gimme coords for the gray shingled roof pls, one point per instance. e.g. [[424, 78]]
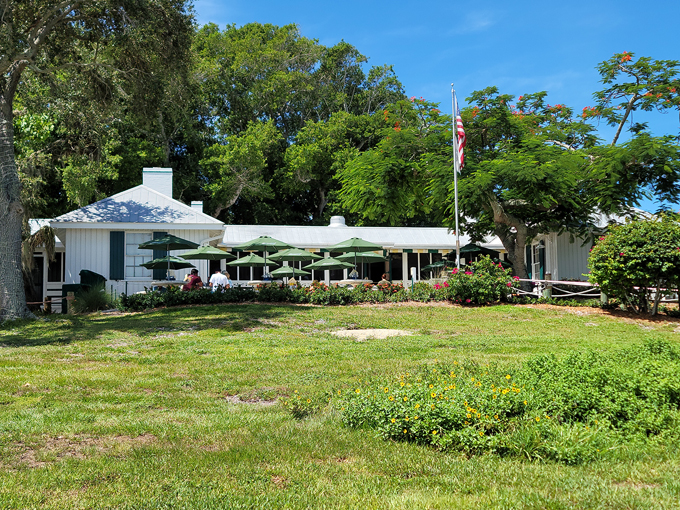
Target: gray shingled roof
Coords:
[[140, 204]]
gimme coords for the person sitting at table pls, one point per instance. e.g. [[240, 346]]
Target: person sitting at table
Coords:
[[230, 284], [384, 280], [218, 281], [193, 281]]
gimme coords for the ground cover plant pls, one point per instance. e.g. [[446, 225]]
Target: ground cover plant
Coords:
[[570, 410], [182, 408]]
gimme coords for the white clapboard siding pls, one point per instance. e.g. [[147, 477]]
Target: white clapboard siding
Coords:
[[572, 257], [89, 249]]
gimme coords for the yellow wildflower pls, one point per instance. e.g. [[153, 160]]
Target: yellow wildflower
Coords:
[[357, 391]]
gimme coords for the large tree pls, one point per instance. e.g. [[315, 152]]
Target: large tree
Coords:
[[531, 167], [87, 53], [269, 74]]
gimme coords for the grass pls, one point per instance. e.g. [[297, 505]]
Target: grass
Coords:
[[177, 409]]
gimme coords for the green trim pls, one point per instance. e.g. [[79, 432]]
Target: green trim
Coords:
[[407, 250], [116, 255], [432, 251]]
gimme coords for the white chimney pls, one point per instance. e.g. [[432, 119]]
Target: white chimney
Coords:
[[197, 204], [158, 179], [337, 221]]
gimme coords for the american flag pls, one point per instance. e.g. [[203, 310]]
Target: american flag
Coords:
[[461, 137]]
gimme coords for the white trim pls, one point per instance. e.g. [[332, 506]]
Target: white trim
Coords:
[[137, 226]]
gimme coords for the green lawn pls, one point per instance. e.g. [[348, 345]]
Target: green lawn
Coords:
[[177, 409]]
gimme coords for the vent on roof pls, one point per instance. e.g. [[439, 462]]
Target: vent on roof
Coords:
[[337, 221], [158, 179], [197, 204]]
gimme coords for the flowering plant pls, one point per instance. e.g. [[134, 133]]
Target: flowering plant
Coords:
[[482, 283]]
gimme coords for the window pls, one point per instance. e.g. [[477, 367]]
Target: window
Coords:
[[134, 256], [55, 270]]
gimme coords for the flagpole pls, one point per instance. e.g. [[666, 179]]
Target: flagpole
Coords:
[[456, 169]]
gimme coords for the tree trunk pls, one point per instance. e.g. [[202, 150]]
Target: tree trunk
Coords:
[[12, 294]]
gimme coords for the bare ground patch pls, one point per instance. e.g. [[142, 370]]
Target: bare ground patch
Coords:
[[363, 334], [241, 399], [60, 448]]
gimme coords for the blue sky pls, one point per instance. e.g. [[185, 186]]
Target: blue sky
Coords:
[[519, 47]]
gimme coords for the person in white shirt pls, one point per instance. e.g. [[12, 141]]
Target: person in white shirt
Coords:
[[218, 280]]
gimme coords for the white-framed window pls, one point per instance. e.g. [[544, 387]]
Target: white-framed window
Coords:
[[134, 256]]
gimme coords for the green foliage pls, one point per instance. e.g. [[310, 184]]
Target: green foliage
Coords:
[[642, 84], [235, 168], [482, 283], [303, 406], [92, 299], [570, 410], [633, 263], [390, 183], [176, 297]]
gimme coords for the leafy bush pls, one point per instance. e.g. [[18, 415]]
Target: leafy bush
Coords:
[[176, 297], [570, 410], [634, 262], [482, 283], [92, 299]]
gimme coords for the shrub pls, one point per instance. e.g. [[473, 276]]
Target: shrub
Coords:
[[634, 262], [482, 283], [92, 299], [176, 297], [571, 410]]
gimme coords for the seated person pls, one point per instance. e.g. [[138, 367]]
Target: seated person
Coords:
[[218, 281], [384, 280], [193, 281], [230, 284]]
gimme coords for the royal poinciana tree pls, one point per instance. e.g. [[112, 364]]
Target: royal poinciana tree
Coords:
[[106, 51], [536, 168], [531, 167]]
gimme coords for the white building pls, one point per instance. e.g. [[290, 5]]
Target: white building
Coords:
[[103, 237]]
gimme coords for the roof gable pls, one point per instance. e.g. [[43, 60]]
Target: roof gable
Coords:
[[140, 204]]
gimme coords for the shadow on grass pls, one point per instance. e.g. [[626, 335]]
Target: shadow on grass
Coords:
[[64, 329]]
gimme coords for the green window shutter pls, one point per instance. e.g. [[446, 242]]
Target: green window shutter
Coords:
[[159, 274], [117, 255], [528, 259], [541, 259]]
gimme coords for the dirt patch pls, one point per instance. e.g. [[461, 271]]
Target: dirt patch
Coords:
[[280, 482], [79, 447], [636, 485], [236, 399], [363, 334]]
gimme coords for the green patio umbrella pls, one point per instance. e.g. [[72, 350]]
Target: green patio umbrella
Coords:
[[439, 265], [294, 255], [329, 264], [251, 260], [289, 271], [167, 261], [355, 244], [361, 256], [475, 249], [207, 253], [169, 242], [264, 244]]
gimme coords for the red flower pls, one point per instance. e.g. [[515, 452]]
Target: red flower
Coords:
[[621, 254], [626, 57]]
